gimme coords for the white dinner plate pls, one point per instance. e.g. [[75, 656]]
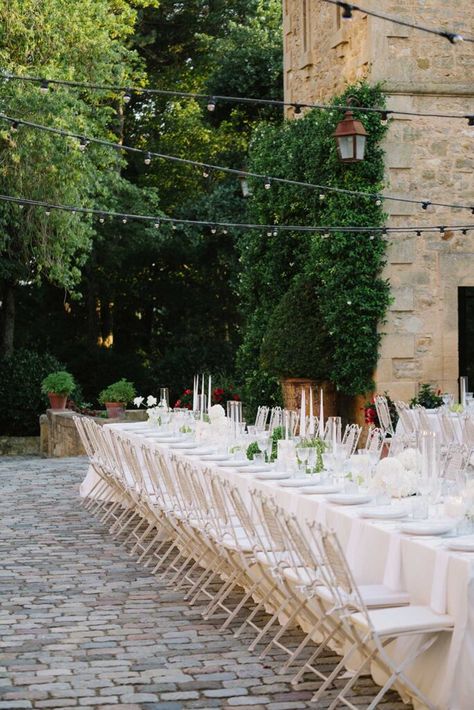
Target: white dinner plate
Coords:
[[256, 468], [428, 527], [462, 545], [200, 452], [271, 476], [297, 483], [320, 490], [349, 498], [383, 512], [215, 457], [230, 464], [184, 445], [159, 440]]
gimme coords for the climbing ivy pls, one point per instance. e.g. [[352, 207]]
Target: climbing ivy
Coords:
[[344, 268]]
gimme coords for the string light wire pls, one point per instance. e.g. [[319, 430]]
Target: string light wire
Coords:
[[208, 168], [349, 8], [212, 101], [274, 229]]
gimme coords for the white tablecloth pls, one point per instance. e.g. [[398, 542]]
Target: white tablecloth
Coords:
[[378, 554]]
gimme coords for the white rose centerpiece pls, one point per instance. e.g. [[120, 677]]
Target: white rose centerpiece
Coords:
[[396, 475]]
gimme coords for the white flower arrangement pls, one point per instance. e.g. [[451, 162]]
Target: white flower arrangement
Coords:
[[397, 477], [216, 413]]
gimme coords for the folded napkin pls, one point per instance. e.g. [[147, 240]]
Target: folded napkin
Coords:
[[439, 601]]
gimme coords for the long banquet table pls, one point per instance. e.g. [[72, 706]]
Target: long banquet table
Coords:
[[379, 554]]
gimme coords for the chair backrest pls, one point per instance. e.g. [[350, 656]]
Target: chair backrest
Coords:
[[351, 438], [455, 461], [468, 431], [405, 417], [375, 441], [262, 416], [383, 413], [424, 423], [276, 415]]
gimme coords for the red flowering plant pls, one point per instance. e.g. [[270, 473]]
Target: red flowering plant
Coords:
[[221, 395], [370, 412], [185, 401]]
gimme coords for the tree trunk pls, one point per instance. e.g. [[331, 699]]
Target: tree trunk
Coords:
[[7, 329]]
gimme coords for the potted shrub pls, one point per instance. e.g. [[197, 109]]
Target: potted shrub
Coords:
[[296, 347], [116, 397], [58, 385]]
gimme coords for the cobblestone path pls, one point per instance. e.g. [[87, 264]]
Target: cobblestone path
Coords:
[[83, 626]]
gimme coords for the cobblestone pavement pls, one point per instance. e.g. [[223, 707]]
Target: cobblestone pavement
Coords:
[[83, 626]]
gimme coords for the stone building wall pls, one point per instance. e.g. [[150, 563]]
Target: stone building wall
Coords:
[[425, 158]]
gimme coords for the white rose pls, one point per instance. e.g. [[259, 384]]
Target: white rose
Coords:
[[151, 401], [216, 412], [409, 458], [138, 401]]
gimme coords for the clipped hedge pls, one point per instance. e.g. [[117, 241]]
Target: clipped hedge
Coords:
[[22, 401]]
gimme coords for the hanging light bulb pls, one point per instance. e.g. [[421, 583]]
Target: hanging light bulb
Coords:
[[470, 120], [206, 172], [174, 226], [297, 110], [124, 220], [322, 196], [213, 229], [378, 202], [102, 219], [454, 38], [267, 184], [44, 86], [384, 118], [127, 97], [464, 232], [147, 159], [425, 204], [269, 233], [157, 225], [224, 231], [326, 235], [275, 232], [211, 104], [83, 144], [47, 213], [14, 126], [418, 233]]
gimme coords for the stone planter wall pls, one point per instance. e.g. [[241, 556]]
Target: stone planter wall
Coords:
[[19, 445], [59, 436], [291, 388]]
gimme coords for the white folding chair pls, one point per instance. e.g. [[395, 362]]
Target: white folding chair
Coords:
[[371, 631], [351, 438]]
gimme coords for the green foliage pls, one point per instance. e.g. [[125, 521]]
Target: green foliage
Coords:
[[344, 269], [277, 434], [427, 397], [60, 382], [289, 348], [253, 449], [122, 391], [21, 376]]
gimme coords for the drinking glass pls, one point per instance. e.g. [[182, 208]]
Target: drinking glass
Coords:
[[164, 397]]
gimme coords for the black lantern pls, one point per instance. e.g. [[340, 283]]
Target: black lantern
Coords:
[[350, 137]]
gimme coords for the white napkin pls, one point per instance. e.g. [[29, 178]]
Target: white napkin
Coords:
[[439, 601], [392, 577]]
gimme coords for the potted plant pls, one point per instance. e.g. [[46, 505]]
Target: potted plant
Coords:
[[427, 397], [296, 347], [58, 385], [116, 397]]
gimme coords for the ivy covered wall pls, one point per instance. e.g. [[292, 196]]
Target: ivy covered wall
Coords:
[[340, 275]]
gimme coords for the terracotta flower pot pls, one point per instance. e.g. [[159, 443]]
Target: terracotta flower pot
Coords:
[[57, 401], [115, 410]]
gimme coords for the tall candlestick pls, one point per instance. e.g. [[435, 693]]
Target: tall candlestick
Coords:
[[195, 394], [321, 414], [202, 398], [209, 398], [311, 415], [303, 413]]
